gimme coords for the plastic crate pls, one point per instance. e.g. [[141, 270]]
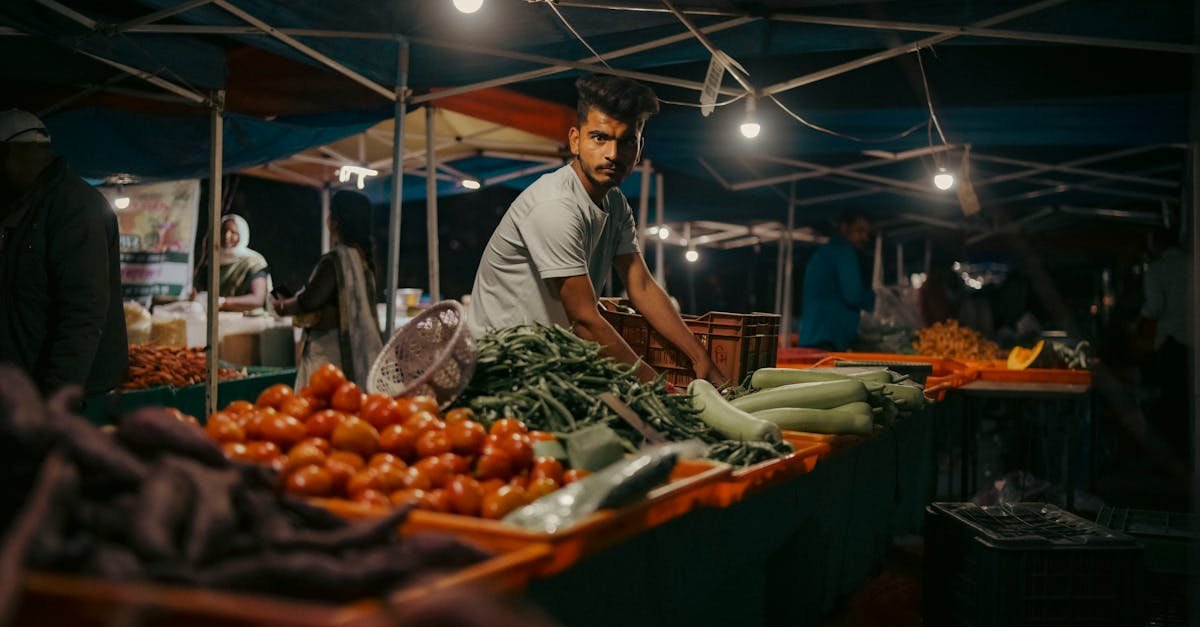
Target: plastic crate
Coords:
[[1027, 564], [743, 482], [1166, 536], [738, 343]]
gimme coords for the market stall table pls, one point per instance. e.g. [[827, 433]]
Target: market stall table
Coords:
[[1044, 396]]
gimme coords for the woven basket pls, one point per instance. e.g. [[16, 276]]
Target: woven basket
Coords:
[[432, 355]]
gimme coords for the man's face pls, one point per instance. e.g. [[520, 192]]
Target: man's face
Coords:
[[857, 232], [606, 149]]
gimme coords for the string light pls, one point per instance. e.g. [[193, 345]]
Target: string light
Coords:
[[750, 127], [692, 255], [943, 180], [468, 6], [471, 184], [347, 171], [121, 201], [663, 232]]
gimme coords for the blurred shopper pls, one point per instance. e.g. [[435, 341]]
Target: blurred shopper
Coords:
[[337, 305], [245, 279], [557, 245], [61, 317], [834, 290], [1166, 315]]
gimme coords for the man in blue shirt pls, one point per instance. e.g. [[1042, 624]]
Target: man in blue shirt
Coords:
[[833, 288]]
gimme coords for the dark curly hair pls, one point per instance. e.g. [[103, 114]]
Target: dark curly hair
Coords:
[[621, 98]]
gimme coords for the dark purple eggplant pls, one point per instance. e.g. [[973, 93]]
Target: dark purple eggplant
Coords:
[[98, 453], [56, 474], [155, 430], [357, 534], [164, 505], [438, 551], [113, 561], [313, 574], [214, 520], [22, 413]]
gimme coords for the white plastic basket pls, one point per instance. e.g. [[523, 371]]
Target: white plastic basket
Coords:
[[433, 355]]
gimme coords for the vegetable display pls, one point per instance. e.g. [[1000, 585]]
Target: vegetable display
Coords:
[[950, 340], [155, 503], [330, 440], [153, 366], [551, 379]]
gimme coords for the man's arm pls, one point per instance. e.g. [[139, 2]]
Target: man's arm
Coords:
[[579, 301], [850, 282], [653, 303], [78, 258]]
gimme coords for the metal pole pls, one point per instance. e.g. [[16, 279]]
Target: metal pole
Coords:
[[325, 245], [785, 330], [877, 269], [400, 108], [928, 256], [431, 217], [779, 277], [900, 280], [216, 148], [660, 273], [643, 206]]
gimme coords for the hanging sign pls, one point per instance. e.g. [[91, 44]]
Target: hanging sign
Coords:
[[158, 236]]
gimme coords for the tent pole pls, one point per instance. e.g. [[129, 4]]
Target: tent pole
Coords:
[[431, 216], [644, 206], [325, 246], [877, 267], [928, 267], [400, 108], [785, 330], [660, 274], [779, 277], [900, 280], [216, 148]]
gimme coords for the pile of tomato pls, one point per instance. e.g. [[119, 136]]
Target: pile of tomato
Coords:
[[332, 440]]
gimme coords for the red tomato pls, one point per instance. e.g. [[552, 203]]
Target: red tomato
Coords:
[[423, 421], [491, 485], [459, 414], [496, 505], [356, 436], [346, 457], [547, 467], [416, 479], [407, 496], [326, 380], [385, 458], [539, 487], [239, 407], [282, 429], [237, 451], [432, 443], [507, 425], [347, 398], [275, 395], [223, 427], [310, 481], [320, 443], [466, 495], [466, 436], [458, 463], [519, 449], [439, 472], [296, 406], [404, 408], [365, 479], [371, 410], [303, 455], [340, 472], [573, 475], [541, 436], [322, 423], [426, 403], [493, 465], [374, 498], [439, 501], [391, 477], [399, 441]]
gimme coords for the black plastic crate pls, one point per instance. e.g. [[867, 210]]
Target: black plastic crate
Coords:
[[1027, 564], [1166, 536]]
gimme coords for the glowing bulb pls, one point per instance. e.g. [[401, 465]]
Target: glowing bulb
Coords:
[[121, 202], [468, 6], [750, 130], [943, 180], [347, 171], [470, 184], [691, 256], [663, 232]]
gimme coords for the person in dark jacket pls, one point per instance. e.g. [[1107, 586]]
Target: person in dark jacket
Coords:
[[61, 314]]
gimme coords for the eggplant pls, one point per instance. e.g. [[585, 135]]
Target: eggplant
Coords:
[[154, 430], [99, 453], [165, 502], [214, 520]]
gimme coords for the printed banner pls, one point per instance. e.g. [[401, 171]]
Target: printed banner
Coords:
[[158, 235]]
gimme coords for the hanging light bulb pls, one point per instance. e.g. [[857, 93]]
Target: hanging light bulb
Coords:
[[691, 255], [664, 232], [471, 184], [121, 201], [943, 180], [750, 127], [468, 6]]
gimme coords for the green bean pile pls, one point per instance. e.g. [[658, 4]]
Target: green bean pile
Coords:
[[551, 379]]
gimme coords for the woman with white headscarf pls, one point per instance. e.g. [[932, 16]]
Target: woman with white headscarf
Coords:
[[244, 276]]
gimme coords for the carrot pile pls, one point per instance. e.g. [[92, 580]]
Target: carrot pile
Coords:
[[949, 340], [153, 366]]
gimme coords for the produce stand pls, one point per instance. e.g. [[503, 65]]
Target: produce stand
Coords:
[[101, 409]]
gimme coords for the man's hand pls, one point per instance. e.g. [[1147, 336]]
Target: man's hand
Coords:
[[706, 369]]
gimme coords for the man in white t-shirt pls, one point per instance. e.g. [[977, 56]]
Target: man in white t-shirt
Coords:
[[555, 248]]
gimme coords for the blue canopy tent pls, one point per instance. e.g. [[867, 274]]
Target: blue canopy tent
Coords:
[[1041, 92]]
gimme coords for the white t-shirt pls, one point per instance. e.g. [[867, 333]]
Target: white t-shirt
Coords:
[[552, 230], [1168, 288]]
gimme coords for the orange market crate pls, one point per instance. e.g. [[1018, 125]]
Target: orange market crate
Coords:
[[997, 370], [835, 442], [54, 599], [691, 484], [746, 481], [738, 343]]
